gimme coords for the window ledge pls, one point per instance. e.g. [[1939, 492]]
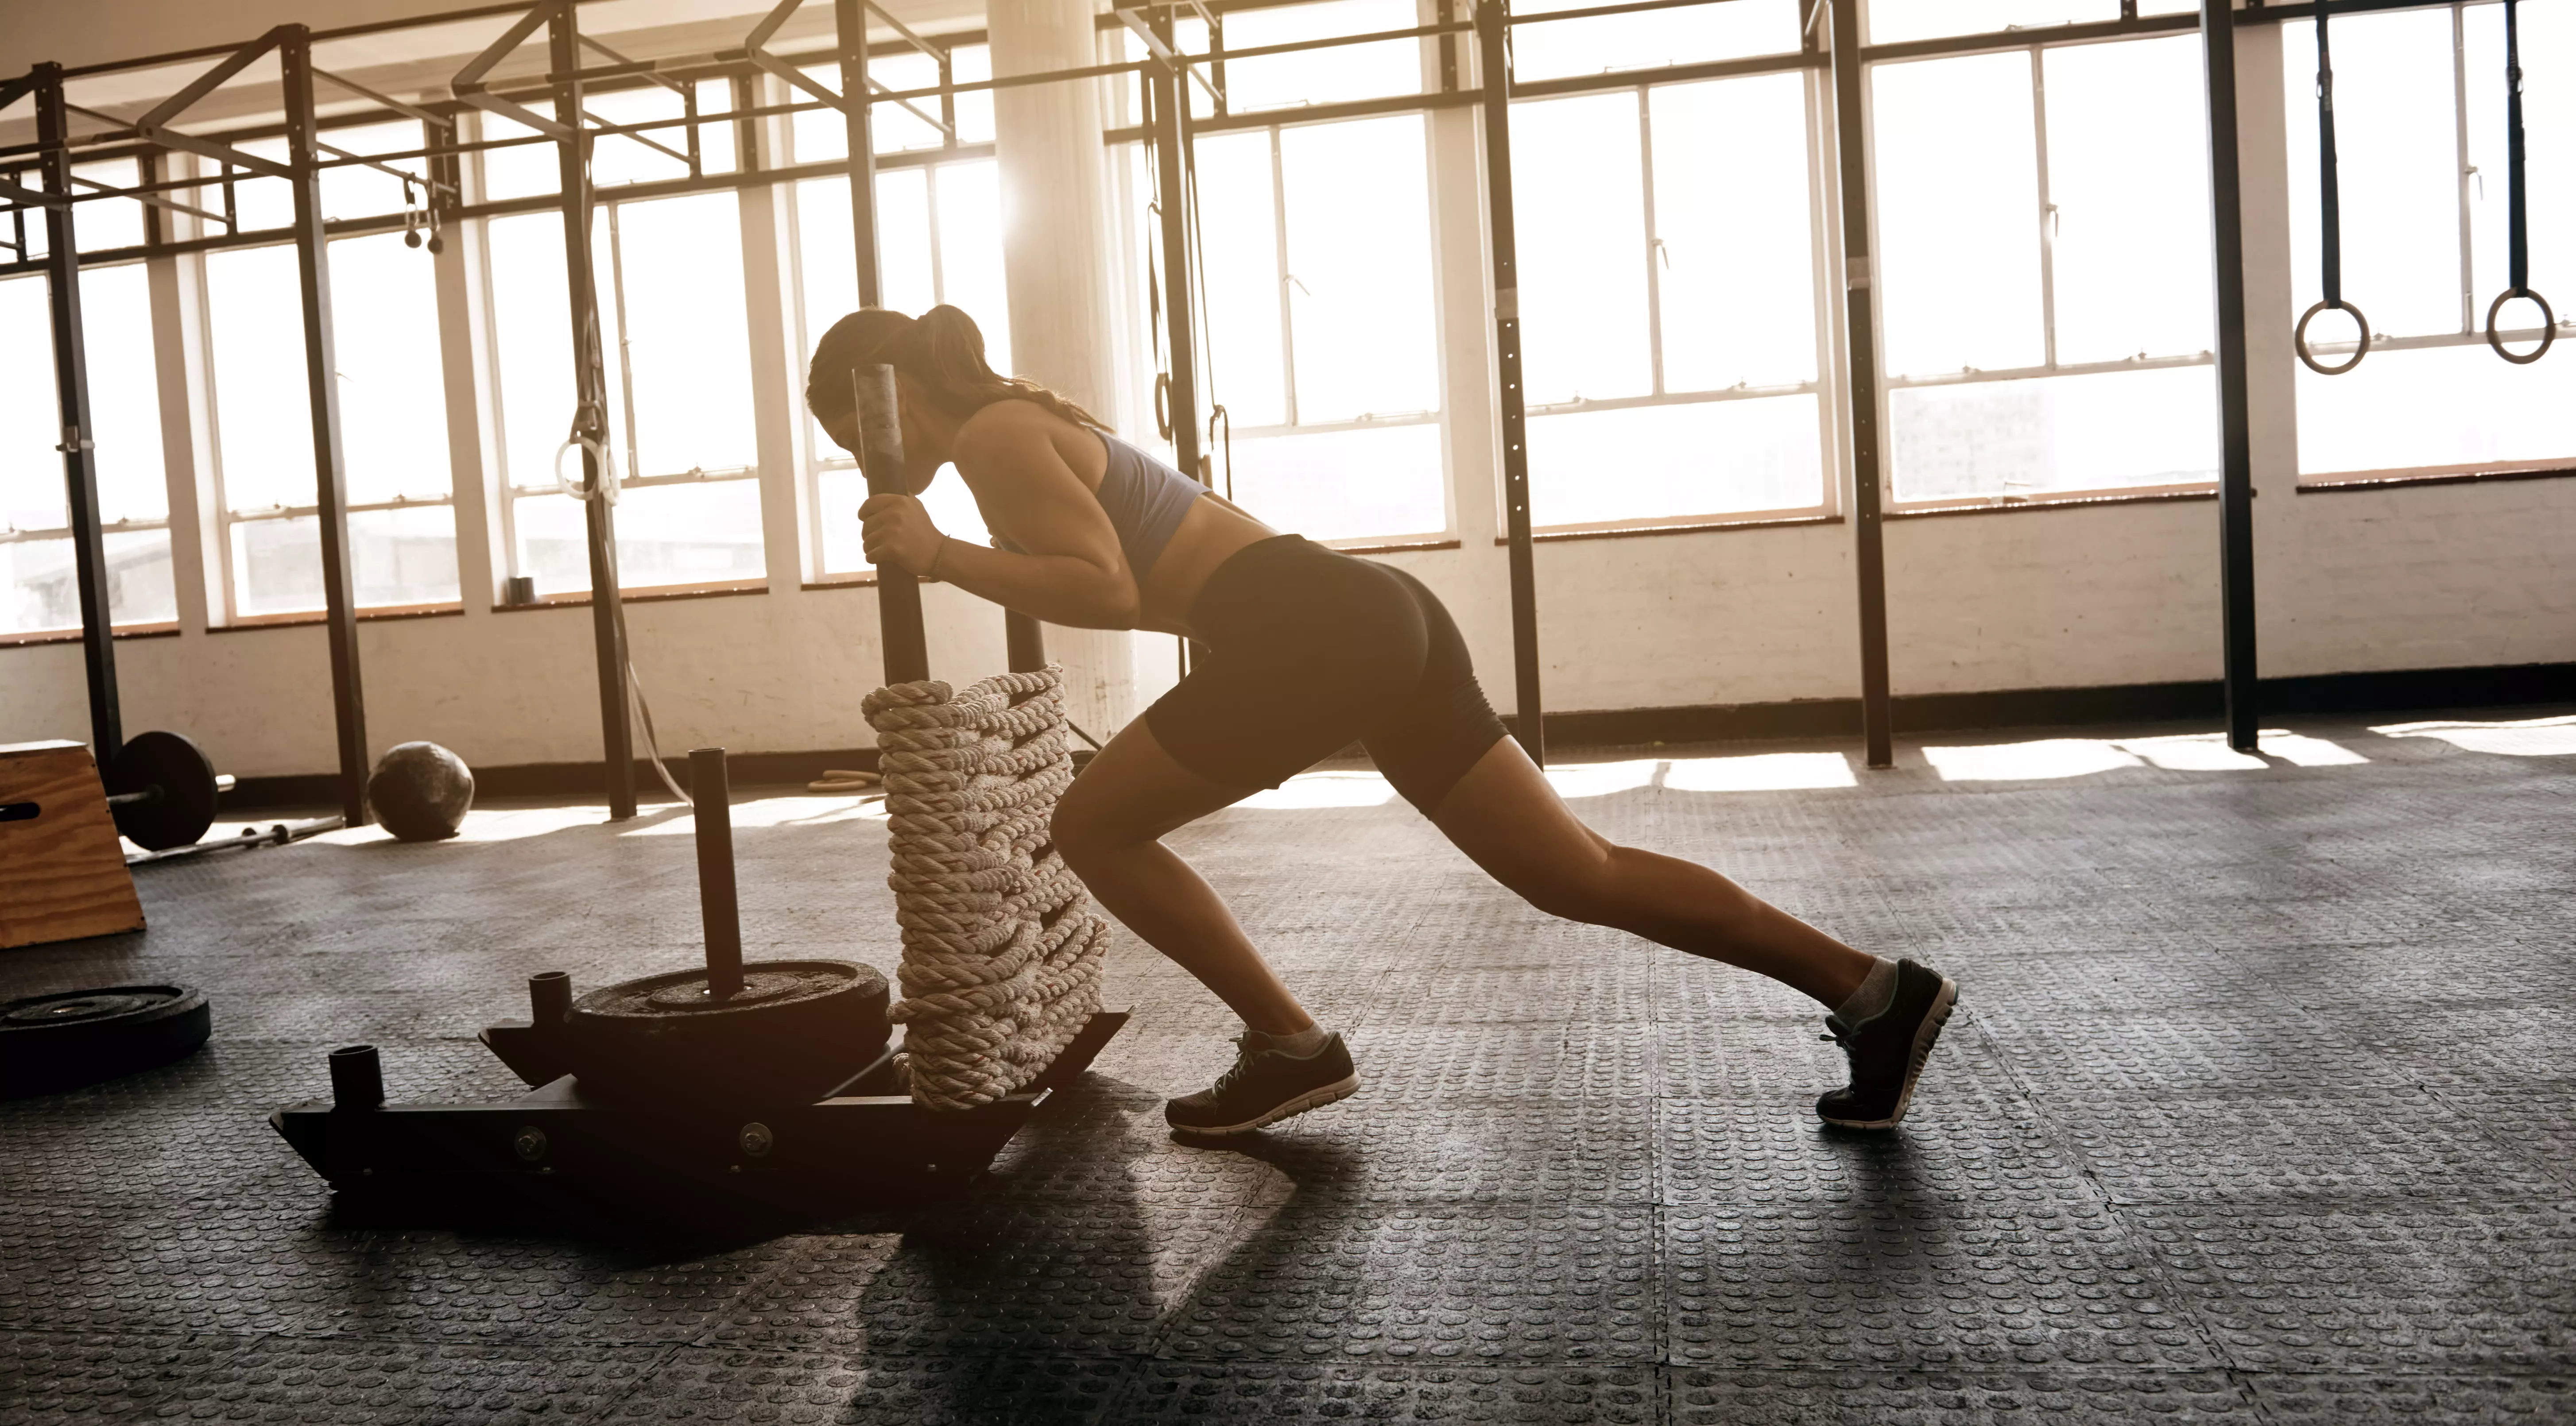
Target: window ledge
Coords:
[[864, 579], [641, 596], [2393, 480], [1686, 527], [1389, 547], [2055, 502], [313, 618], [74, 636]]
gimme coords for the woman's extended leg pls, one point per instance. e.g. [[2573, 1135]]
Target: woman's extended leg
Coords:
[[1109, 826], [1508, 820]]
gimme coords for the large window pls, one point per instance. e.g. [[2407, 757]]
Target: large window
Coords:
[[2421, 165], [392, 399], [38, 592], [675, 343], [2043, 260], [1669, 305]]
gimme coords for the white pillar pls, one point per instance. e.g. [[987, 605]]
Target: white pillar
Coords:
[[1056, 259]]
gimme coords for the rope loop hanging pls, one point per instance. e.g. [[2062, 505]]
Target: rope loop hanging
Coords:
[[2330, 222], [1001, 951], [2517, 219]]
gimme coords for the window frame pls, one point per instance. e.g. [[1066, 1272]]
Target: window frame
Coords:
[[1888, 383], [1816, 97], [2472, 328]]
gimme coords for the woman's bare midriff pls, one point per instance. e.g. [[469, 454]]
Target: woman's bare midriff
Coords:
[[1208, 535]]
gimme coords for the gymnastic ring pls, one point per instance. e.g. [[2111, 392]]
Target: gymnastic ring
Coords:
[[1163, 404], [607, 469], [2299, 338], [2548, 326]]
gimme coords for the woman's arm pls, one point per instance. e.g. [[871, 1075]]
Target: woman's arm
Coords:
[[1074, 573]]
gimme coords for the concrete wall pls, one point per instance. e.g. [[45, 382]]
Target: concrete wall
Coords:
[[2424, 576]]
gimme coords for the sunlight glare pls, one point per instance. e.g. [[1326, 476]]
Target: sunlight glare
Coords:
[[2027, 762], [1310, 790], [789, 811], [2191, 752], [1760, 772], [2524, 738], [1600, 779], [2303, 751]]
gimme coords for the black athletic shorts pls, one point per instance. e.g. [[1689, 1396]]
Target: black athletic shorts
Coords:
[[1309, 650]]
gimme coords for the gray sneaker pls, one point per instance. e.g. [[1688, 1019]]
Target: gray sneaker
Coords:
[[1265, 1086]]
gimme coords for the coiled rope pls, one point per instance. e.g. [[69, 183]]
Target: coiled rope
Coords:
[[1001, 951]]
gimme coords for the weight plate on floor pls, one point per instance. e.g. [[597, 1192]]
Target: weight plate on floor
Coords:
[[76, 1037], [179, 787], [795, 1031]]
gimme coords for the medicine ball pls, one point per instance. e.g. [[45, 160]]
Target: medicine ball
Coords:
[[420, 791]]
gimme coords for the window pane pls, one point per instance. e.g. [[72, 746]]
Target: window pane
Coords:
[[841, 492], [827, 264], [40, 593], [124, 392], [2128, 171], [396, 557], [1334, 485], [31, 470], [1695, 458], [257, 202], [715, 140], [2446, 406], [1738, 29], [1579, 209], [1738, 249], [100, 223], [277, 565], [523, 170], [2548, 35], [1239, 251], [531, 343], [687, 334], [255, 339], [2396, 142], [970, 252], [2056, 433], [358, 191], [1327, 76], [1894, 20], [627, 158], [698, 533], [393, 394], [822, 133], [1359, 245], [972, 64], [1957, 173]]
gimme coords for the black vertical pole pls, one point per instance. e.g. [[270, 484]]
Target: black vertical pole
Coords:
[[906, 643], [1869, 554], [1494, 66], [590, 390], [322, 394], [1171, 98], [711, 804], [2236, 458], [71, 386], [1025, 640]]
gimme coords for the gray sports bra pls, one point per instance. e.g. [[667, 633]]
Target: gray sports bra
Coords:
[[1145, 500]]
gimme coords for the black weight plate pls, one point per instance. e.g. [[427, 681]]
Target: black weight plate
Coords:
[[184, 805], [795, 1031], [76, 1037]]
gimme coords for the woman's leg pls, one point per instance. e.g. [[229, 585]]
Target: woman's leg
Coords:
[[1109, 826], [1508, 820]]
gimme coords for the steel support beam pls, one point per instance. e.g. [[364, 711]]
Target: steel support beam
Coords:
[[1171, 129], [322, 394], [2236, 455], [1869, 554], [1494, 63], [906, 642], [71, 387], [590, 390]]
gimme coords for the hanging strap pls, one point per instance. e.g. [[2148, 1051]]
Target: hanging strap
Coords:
[[2329, 220], [2517, 233]]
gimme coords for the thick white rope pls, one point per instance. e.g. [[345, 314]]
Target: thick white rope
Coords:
[[1001, 950]]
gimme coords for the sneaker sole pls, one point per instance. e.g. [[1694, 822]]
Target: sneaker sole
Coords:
[[1342, 1088], [1925, 1036]]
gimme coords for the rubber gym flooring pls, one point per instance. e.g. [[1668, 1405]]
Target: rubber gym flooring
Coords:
[[2257, 1110]]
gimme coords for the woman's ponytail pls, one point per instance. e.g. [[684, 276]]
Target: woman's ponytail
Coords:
[[942, 351]]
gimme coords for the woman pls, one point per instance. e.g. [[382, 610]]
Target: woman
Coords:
[[1307, 650]]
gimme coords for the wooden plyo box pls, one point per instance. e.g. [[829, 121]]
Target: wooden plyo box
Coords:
[[62, 870]]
